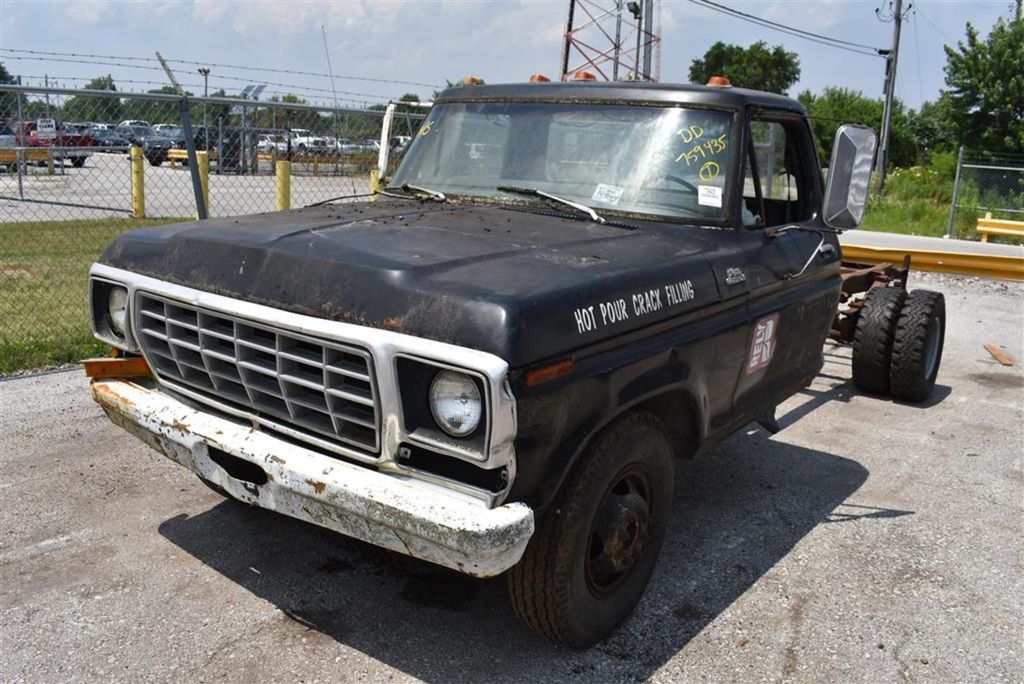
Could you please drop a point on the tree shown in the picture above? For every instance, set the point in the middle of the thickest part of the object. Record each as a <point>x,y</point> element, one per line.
<point>931,129</point>
<point>985,93</point>
<point>836,106</point>
<point>8,101</point>
<point>89,108</point>
<point>756,67</point>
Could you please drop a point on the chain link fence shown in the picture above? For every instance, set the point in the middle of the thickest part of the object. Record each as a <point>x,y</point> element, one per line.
<point>79,167</point>
<point>987,184</point>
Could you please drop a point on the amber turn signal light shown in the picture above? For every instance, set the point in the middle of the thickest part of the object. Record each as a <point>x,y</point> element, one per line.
<point>538,376</point>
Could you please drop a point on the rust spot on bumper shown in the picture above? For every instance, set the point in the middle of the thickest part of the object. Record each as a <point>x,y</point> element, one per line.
<point>317,486</point>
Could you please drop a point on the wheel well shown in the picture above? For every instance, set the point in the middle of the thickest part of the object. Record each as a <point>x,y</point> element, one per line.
<point>680,415</point>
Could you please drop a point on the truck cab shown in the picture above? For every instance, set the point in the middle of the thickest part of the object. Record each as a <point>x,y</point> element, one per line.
<point>494,364</point>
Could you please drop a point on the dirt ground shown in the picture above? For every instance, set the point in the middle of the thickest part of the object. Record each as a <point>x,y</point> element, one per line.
<point>868,541</point>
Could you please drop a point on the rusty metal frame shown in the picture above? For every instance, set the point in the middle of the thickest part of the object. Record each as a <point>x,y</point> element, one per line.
<point>858,280</point>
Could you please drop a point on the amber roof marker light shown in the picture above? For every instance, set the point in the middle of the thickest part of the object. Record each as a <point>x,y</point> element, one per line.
<point>719,82</point>
<point>584,76</point>
<point>539,78</point>
<point>472,80</point>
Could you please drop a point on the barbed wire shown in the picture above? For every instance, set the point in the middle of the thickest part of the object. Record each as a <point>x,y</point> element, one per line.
<point>292,88</point>
<point>195,89</point>
<point>238,67</point>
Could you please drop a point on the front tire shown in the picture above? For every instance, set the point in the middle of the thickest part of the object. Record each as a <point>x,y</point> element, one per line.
<point>917,349</point>
<point>589,562</point>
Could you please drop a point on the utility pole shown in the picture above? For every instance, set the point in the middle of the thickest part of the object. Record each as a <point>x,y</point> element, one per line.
<point>891,61</point>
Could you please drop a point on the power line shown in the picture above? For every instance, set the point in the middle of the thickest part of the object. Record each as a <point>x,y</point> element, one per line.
<point>917,56</point>
<point>934,25</point>
<point>858,48</point>
<point>237,67</point>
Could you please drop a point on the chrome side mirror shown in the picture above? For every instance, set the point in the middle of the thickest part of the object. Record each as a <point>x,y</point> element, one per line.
<point>849,176</point>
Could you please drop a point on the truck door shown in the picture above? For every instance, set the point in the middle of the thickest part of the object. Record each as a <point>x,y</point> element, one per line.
<point>789,311</point>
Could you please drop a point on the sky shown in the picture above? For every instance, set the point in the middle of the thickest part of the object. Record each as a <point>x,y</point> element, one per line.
<point>426,42</point>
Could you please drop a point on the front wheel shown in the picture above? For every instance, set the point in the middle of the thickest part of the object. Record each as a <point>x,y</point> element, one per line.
<point>589,562</point>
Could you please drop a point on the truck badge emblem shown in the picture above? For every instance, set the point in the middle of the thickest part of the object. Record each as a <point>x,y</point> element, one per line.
<point>734,276</point>
<point>763,346</point>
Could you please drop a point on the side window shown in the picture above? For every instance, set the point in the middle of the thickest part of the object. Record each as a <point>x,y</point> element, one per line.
<point>771,181</point>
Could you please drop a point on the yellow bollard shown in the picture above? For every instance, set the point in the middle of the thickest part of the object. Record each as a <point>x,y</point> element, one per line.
<point>138,183</point>
<point>375,185</point>
<point>283,170</point>
<point>203,162</point>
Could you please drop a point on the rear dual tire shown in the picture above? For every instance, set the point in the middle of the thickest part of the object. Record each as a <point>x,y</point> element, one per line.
<point>898,342</point>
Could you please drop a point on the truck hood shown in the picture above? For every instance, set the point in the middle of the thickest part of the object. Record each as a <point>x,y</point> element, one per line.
<point>525,286</point>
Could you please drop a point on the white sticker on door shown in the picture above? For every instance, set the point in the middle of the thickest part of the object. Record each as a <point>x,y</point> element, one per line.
<point>709,195</point>
<point>609,194</point>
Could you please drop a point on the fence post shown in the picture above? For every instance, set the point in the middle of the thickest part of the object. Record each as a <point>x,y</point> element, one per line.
<point>203,161</point>
<point>138,183</point>
<point>283,171</point>
<point>956,192</point>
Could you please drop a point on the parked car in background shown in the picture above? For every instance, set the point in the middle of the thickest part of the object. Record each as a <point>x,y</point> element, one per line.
<point>134,122</point>
<point>109,140</point>
<point>369,145</point>
<point>154,145</point>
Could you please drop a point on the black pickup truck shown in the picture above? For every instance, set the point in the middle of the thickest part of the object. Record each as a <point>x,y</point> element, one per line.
<point>493,365</point>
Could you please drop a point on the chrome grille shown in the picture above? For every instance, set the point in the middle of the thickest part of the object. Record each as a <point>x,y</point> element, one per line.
<point>313,386</point>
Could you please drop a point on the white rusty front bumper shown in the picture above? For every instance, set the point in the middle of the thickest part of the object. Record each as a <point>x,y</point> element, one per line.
<point>385,509</point>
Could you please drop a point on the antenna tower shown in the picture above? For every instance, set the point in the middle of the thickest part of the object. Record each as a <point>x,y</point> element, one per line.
<point>614,40</point>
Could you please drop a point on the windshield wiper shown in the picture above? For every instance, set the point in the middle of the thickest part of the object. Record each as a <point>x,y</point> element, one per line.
<point>435,195</point>
<point>533,192</point>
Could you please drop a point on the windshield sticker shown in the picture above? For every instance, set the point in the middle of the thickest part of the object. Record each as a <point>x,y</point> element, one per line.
<point>763,346</point>
<point>425,129</point>
<point>709,196</point>
<point>609,194</point>
<point>636,305</point>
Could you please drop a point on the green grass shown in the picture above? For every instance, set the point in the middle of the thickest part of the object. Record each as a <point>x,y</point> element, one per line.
<point>917,200</point>
<point>44,269</point>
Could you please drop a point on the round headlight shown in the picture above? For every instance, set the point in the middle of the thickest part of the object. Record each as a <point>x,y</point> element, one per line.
<point>455,403</point>
<point>117,310</point>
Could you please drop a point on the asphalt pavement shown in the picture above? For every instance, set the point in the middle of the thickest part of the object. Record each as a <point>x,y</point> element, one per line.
<point>869,541</point>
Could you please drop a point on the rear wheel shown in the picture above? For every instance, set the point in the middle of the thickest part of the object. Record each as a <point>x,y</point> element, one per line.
<point>873,338</point>
<point>917,348</point>
<point>589,562</point>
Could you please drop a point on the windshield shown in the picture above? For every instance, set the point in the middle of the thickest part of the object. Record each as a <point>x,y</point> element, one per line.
<point>665,161</point>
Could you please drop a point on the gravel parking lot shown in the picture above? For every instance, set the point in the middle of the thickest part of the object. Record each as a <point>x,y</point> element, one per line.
<point>868,541</point>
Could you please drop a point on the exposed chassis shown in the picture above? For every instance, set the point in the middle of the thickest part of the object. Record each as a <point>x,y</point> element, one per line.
<point>858,280</point>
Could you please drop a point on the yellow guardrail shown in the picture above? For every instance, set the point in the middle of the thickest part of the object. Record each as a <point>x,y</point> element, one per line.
<point>990,226</point>
<point>985,265</point>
